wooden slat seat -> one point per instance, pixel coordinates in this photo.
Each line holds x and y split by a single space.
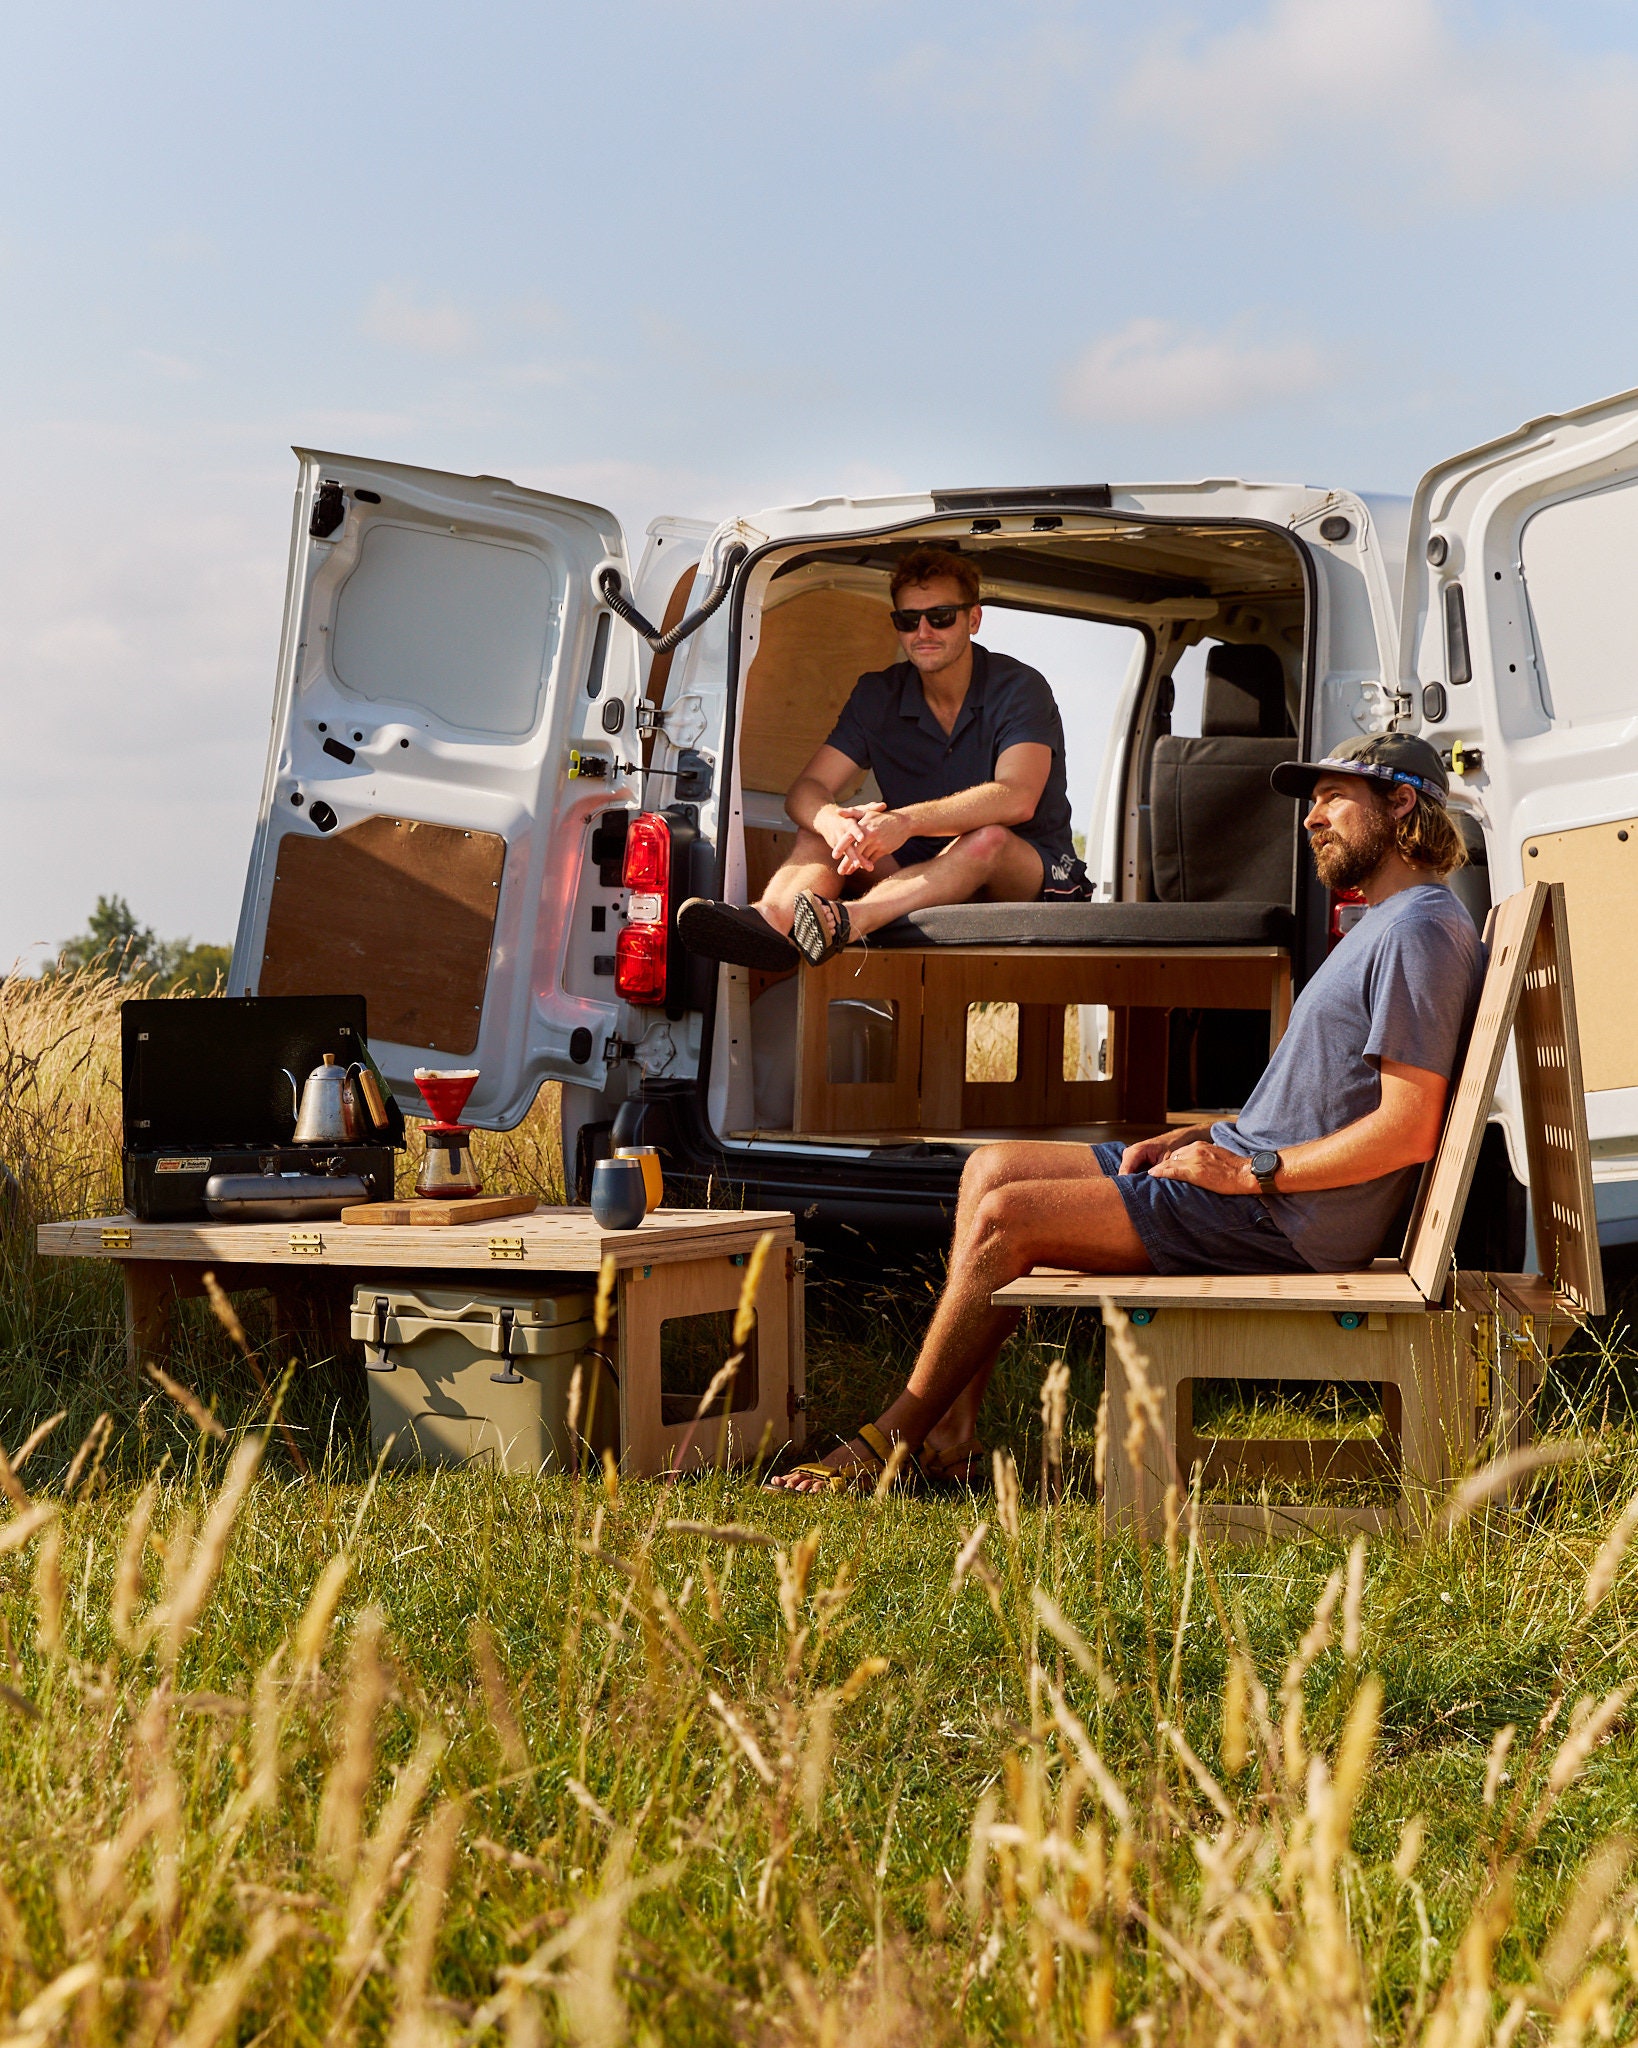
1427 1331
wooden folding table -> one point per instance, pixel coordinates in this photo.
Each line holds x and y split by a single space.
677 1263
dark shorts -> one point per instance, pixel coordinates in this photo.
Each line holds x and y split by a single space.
1186 1229
1063 876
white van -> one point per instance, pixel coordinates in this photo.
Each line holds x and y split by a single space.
502 755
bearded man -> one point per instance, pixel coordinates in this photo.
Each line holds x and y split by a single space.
1311 1174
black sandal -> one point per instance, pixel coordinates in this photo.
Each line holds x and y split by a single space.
816 940
743 938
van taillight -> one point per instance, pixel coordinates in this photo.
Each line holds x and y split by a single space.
1348 906
640 950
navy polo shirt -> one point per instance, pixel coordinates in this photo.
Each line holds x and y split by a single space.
886 726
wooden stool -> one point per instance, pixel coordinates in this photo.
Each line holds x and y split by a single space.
1457 1356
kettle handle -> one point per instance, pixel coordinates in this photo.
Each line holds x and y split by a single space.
370 1088
295 1093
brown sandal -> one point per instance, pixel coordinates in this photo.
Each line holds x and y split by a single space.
817 939
862 1477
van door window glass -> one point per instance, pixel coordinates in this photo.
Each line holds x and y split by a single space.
1577 557
456 626
1086 662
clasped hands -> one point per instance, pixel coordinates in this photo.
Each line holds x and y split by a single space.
868 833
1190 1156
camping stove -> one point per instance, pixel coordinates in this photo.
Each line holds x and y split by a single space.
449 1168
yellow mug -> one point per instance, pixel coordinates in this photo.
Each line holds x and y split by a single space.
653 1180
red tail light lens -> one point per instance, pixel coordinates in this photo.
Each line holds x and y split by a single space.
639 963
648 854
1347 908
640 950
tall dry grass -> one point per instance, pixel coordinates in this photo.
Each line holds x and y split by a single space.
450 1758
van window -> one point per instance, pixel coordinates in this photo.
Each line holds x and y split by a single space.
1086 662
1578 557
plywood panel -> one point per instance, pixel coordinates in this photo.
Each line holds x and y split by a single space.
1598 867
563 1239
823 1105
395 910
811 650
1385 1288
1511 933
1555 1117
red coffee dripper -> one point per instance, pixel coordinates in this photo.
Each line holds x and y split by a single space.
448 1169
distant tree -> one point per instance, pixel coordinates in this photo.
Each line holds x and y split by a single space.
197 970
114 944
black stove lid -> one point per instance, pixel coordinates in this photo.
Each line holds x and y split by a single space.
204 1071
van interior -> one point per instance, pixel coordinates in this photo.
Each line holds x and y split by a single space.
1206 858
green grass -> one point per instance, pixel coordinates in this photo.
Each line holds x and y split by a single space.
552 1769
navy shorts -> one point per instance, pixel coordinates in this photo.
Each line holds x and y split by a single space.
1186 1229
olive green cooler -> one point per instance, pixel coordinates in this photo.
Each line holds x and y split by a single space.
456 1374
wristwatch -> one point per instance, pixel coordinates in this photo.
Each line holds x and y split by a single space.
1264 1166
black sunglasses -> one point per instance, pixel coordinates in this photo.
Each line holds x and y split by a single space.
941 617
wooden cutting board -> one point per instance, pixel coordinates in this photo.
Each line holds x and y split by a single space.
433 1215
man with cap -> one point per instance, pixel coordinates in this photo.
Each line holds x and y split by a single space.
1311 1174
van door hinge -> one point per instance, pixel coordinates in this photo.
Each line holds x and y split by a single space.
617 1049
1380 709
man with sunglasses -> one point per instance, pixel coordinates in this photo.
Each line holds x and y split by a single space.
967 748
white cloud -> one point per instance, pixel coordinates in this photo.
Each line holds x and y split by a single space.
1392 82
1151 371
430 327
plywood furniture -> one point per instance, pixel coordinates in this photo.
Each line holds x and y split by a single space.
1454 1356
934 987
678 1262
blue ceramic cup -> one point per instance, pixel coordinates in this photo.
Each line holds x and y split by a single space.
619 1199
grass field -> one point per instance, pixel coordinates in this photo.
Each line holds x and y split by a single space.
439 1758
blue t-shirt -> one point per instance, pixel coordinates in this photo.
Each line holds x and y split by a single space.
1403 985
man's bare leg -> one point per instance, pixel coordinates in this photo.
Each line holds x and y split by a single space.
989 1168
809 865
992 861
1076 1219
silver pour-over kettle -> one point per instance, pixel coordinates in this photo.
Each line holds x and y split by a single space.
327 1107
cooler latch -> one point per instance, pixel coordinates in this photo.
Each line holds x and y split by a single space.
377 1358
508 1376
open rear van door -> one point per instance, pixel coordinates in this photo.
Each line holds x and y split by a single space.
455 706
1521 651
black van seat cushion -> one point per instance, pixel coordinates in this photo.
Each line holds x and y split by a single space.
1091 924
1217 832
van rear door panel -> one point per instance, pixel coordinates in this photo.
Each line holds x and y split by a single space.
1519 643
454 708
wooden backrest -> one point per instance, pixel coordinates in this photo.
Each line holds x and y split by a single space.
1554 1100
1527 993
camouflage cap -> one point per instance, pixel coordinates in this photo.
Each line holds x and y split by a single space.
1382 756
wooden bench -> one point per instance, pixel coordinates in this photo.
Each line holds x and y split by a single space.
678 1263
1456 1356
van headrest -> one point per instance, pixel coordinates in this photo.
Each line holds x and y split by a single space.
1245 695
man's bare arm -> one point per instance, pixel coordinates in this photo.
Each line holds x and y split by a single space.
1020 776
1403 1130
811 799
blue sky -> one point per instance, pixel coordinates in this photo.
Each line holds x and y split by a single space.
699 259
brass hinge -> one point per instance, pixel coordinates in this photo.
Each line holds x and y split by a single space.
506 1248
1482 1340
306 1244
116 1239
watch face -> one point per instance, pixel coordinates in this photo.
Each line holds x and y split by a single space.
1265 1164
